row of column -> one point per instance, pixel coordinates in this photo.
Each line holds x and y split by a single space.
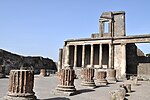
91 55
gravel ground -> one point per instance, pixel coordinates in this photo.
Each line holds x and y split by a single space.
44 88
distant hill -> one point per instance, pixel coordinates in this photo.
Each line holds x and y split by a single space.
148 55
15 61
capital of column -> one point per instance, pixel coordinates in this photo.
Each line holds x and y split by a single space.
123 44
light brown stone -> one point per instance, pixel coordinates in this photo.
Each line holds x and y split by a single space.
101 77
127 87
111 76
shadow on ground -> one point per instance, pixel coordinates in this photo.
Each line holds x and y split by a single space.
84 91
125 99
101 86
57 98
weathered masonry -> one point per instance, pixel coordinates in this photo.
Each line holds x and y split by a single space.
110 48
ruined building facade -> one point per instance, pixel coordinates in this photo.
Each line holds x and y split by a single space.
110 48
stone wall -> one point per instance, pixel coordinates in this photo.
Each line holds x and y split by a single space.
137 62
131 59
117 59
14 61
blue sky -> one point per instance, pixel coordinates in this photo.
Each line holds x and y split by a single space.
39 27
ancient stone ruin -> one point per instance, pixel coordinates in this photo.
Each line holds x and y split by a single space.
110 48
21 84
88 75
66 81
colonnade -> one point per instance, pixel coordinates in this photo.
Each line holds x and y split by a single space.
94 55
83 54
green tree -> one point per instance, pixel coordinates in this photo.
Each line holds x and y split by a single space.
148 55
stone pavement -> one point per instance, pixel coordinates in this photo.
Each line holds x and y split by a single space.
44 88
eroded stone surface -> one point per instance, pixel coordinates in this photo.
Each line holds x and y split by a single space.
88 74
21 85
66 81
101 77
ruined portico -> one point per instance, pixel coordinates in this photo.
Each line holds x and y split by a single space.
106 49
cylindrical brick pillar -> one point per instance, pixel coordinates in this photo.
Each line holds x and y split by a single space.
66 81
43 72
21 85
111 76
88 74
101 77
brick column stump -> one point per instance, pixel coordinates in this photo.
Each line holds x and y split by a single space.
101 77
21 85
88 74
111 76
66 81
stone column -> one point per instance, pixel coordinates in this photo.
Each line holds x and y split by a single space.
43 72
123 63
66 81
92 56
111 62
88 74
111 76
60 59
67 64
100 55
101 77
83 56
75 56
21 85
101 28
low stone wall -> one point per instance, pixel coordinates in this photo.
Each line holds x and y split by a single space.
144 70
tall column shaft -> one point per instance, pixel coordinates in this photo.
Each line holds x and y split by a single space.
111 60
123 64
83 55
101 28
60 59
92 52
67 56
75 56
100 55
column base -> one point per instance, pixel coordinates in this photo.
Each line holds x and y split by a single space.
20 98
111 79
89 84
65 90
103 82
